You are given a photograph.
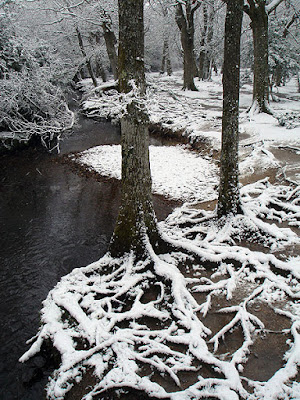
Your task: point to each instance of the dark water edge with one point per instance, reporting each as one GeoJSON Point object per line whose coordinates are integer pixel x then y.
{"type": "Point", "coordinates": [51, 220]}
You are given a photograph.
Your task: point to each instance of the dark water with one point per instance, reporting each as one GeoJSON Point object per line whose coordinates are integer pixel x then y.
{"type": "Point", "coordinates": [51, 221]}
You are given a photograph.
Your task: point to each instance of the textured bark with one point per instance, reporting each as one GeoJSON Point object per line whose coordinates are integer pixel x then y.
{"type": "Point", "coordinates": [166, 61]}
{"type": "Point", "coordinates": [202, 54]}
{"type": "Point", "coordinates": [229, 196]}
{"type": "Point", "coordinates": [88, 62]}
{"type": "Point", "coordinates": [259, 25]}
{"type": "Point", "coordinates": [136, 220]}
{"type": "Point", "coordinates": [110, 42]}
{"type": "Point", "coordinates": [185, 22]}
{"type": "Point", "coordinates": [205, 56]}
{"type": "Point", "coordinates": [131, 45]}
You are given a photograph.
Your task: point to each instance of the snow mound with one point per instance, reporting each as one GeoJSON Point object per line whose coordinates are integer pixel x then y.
{"type": "Point", "coordinates": [176, 172]}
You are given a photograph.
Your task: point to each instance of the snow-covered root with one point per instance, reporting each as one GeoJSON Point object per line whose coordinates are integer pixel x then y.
{"type": "Point", "coordinates": [139, 316]}
{"type": "Point", "coordinates": [264, 205]}
{"type": "Point", "coordinates": [137, 324]}
{"type": "Point", "coordinates": [282, 384]}
{"type": "Point", "coordinates": [264, 277]}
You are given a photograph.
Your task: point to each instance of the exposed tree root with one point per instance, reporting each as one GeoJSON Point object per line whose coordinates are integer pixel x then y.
{"type": "Point", "coordinates": [142, 325]}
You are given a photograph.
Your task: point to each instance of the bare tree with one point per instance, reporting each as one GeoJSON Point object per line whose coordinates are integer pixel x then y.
{"type": "Point", "coordinates": [229, 196]}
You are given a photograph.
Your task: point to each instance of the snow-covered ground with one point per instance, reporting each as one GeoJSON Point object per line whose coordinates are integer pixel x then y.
{"type": "Point", "coordinates": [176, 172]}
{"type": "Point", "coordinates": [173, 327]}
{"type": "Point", "coordinates": [197, 115]}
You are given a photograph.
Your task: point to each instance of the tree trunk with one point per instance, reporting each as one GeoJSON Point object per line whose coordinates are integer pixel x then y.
{"type": "Point", "coordinates": [166, 61]}
{"type": "Point", "coordinates": [136, 220]}
{"type": "Point", "coordinates": [229, 196]}
{"type": "Point", "coordinates": [259, 25]}
{"type": "Point", "coordinates": [205, 56]}
{"type": "Point", "coordinates": [185, 23]}
{"type": "Point", "coordinates": [202, 54]}
{"type": "Point", "coordinates": [88, 62]}
{"type": "Point", "coordinates": [110, 42]}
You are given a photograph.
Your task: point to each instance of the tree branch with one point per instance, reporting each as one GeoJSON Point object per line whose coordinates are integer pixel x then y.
{"type": "Point", "coordinates": [273, 5]}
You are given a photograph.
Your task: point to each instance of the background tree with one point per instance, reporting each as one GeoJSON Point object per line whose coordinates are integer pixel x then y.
{"type": "Point", "coordinates": [284, 44]}
{"type": "Point", "coordinates": [136, 218]}
{"type": "Point", "coordinates": [229, 196]}
{"type": "Point", "coordinates": [161, 36]}
{"type": "Point", "coordinates": [259, 11]}
{"type": "Point", "coordinates": [59, 22]}
{"type": "Point", "coordinates": [206, 50]}
{"type": "Point", "coordinates": [185, 11]}
{"type": "Point", "coordinates": [165, 8]}
{"type": "Point", "coordinates": [110, 41]}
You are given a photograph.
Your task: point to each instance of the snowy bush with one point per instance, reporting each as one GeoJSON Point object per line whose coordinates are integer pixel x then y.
{"type": "Point", "coordinates": [30, 104]}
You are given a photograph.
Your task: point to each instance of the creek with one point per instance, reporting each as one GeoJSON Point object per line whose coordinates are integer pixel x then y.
{"type": "Point", "coordinates": [52, 220]}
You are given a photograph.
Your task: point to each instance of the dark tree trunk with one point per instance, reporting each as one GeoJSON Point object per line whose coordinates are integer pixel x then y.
{"type": "Point", "coordinates": [202, 54]}
{"type": "Point", "coordinates": [166, 61]}
{"type": "Point", "coordinates": [229, 196]}
{"type": "Point", "coordinates": [185, 22]}
{"type": "Point", "coordinates": [205, 56]}
{"type": "Point", "coordinates": [110, 42]}
{"type": "Point", "coordinates": [136, 220]}
{"type": "Point", "coordinates": [88, 62]}
{"type": "Point", "coordinates": [259, 25]}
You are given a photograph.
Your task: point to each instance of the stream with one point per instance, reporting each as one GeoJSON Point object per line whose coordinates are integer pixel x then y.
{"type": "Point", "coordinates": [52, 220]}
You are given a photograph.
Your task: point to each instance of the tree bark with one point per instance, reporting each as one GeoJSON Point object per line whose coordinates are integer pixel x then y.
{"type": "Point", "coordinates": [229, 195]}
{"type": "Point", "coordinates": [258, 14]}
{"type": "Point", "coordinates": [166, 61]}
{"type": "Point", "coordinates": [205, 56]}
{"type": "Point", "coordinates": [110, 42]}
{"type": "Point", "coordinates": [185, 22]}
{"type": "Point", "coordinates": [136, 220]}
{"type": "Point", "coordinates": [202, 54]}
{"type": "Point", "coordinates": [259, 25]}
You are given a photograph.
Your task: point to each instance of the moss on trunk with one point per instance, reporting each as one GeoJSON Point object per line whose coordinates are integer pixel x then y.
{"type": "Point", "coordinates": [136, 221]}
{"type": "Point", "coordinates": [229, 196]}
